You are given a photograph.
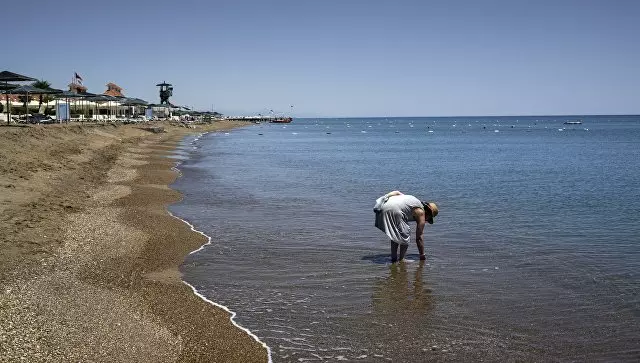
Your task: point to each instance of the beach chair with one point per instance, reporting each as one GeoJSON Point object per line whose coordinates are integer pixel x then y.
{"type": "Point", "coordinates": [39, 119]}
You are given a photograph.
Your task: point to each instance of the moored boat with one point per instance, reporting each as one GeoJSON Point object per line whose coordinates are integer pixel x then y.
{"type": "Point", "coordinates": [576, 122]}
{"type": "Point", "coordinates": [282, 120]}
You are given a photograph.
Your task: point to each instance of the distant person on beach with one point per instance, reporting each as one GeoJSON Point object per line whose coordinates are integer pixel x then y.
{"type": "Point", "coordinates": [394, 211]}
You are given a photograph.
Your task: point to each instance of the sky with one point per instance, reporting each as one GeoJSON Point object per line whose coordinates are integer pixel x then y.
{"type": "Point", "coordinates": [340, 58]}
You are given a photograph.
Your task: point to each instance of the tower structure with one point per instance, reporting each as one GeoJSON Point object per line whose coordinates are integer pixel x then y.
{"type": "Point", "coordinates": [166, 91]}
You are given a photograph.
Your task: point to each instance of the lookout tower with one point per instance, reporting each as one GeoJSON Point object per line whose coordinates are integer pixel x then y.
{"type": "Point", "coordinates": [166, 91]}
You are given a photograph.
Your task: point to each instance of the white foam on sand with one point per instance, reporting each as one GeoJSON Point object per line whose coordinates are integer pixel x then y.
{"type": "Point", "coordinates": [197, 293]}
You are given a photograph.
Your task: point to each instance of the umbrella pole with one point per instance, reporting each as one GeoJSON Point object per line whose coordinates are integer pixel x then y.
{"type": "Point", "coordinates": [8, 106]}
{"type": "Point", "coordinates": [26, 108]}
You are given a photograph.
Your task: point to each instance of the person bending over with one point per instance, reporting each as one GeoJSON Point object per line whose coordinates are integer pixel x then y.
{"type": "Point", "coordinates": [394, 211]}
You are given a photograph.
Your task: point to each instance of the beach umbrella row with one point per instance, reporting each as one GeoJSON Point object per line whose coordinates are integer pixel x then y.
{"type": "Point", "coordinates": [27, 90]}
{"type": "Point", "coordinates": [110, 100]}
{"type": "Point", "coordinates": [12, 89]}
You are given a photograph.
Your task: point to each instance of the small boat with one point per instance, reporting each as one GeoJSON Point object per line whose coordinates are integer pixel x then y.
{"type": "Point", "coordinates": [282, 120]}
{"type": "Point", "coordinates": [576, 122]}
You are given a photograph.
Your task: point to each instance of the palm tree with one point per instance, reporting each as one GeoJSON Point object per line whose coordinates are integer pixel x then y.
{"type": "Point", "coordinates": [42, 84]}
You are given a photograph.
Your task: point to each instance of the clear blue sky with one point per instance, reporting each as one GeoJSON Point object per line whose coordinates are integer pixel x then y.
{"type": "Point", "coordinates": [340, 57]}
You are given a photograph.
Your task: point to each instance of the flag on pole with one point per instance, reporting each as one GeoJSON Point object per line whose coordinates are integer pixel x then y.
{"type": "Point", "coordinates": [78, 78]}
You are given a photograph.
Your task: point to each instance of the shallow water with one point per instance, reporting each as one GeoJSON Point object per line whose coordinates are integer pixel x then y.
{"type": "Point", "coordinates": [534, 255]}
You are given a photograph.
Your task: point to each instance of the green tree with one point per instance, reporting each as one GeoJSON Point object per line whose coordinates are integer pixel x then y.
{"type": "Point", "coordinates": [42, 84]}
{"type": "Point", "coordinates": [24, 99]}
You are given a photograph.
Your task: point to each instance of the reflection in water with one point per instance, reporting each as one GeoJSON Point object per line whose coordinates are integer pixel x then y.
{"type": "Point", "coordinates": [398, 295]}
{"type": "Point", "coordinates": [402, 317]}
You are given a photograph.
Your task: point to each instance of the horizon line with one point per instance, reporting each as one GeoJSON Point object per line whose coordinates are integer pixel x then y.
{"type": "Point", "coordinates": [540, 115]}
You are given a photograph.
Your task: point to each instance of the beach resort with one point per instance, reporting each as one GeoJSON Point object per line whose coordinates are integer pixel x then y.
{"type": "Point", "coordinates": [160, 203]}
{"type": "Point", "coordinates": [89, 254]}
{"type": "Point", "coordinates": [29, 100]}
{"type": "Point", "coordinates": [172, 240]}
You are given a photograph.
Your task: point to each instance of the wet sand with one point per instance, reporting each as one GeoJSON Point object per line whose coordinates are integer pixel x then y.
{"type": "Point", "coordinates": [89, 255]}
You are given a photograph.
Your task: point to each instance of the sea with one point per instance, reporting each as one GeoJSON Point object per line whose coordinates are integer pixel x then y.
{"type": "Point", "coordinates": [534, 256]}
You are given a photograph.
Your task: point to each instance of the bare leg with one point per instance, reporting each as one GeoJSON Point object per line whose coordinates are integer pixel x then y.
{"type": "Point", "coordinates": [403, 251]}
{"type": "Point", "coordinates": [394, 252]}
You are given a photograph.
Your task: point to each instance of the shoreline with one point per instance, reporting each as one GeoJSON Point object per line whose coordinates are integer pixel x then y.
{"type": "Point", "coordinates": [213, 303]}
{"type": "Point", "coordinates": [90, 253]}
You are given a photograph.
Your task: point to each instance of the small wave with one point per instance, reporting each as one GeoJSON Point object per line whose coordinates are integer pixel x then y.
{"type": "Point", "coordinates": [197, 293]}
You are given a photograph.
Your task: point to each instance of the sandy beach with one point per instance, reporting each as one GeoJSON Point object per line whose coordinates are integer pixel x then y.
{"type": "Point", "coordinates": [89, 255]}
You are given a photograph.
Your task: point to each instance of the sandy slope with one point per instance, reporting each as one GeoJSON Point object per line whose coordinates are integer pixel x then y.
{"type": "Point", "coordinates": [89, 255]}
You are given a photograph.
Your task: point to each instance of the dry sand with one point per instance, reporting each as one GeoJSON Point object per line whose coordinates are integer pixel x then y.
{"type": "Point", "coordinates": [89, 255]}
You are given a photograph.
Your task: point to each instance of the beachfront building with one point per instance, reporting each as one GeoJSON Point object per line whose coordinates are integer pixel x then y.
{"type": "Point", "coordinates": [17, 102]}
{"type": "Point", "coordinates": [113, 90]}
{"type": "Point", "coordinates": [77, 88]}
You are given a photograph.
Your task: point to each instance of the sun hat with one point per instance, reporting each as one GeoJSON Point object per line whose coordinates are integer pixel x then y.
{"type": "Point", "coordinates": [433, 208]}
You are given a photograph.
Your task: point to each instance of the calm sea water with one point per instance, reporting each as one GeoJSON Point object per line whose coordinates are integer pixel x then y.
{"type": "Point", "coordinates": [535, 255]}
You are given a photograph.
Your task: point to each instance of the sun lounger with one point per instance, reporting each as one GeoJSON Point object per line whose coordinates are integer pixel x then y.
{"type": "Point", "coordinates": [40, 119]}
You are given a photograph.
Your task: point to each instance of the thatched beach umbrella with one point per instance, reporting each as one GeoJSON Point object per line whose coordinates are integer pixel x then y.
{"type": "Point", "coordinates": [69, 94]}
{"type": "Point", "coordinates": [105, 98]}
{"type": "Point", "coordinates": [6, 76]}
{"type": "Point", "coordinates": [86, 98]}
{"type": "Point", "coordinates": [135, 102]}
{"type": "Point", "coordinates": [7, 86]}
